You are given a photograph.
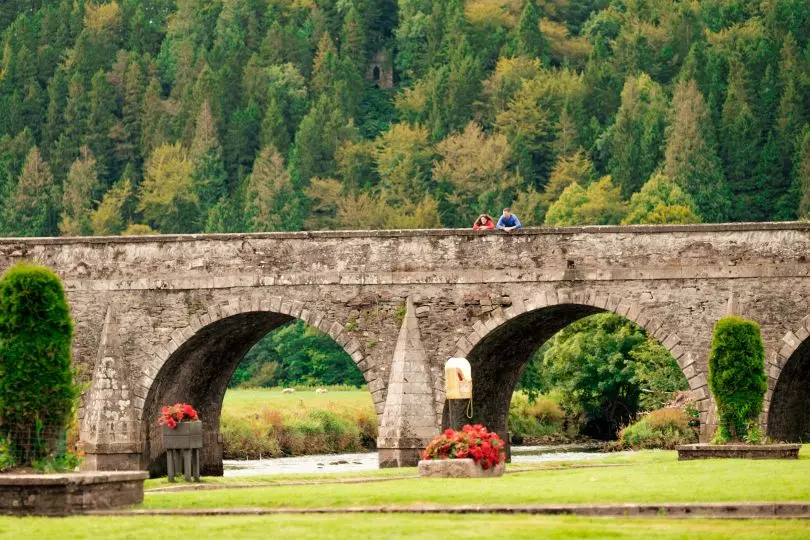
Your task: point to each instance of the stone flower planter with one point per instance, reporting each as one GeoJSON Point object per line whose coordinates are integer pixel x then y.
{"type": "Point", "coordinates": [185, 436]}
{"type": "Point", "coordinates": [457, 468]}
{"type": "Point", "coordinates": [182, 446]}
{"type": "Point", "coordinates": [738, 451]}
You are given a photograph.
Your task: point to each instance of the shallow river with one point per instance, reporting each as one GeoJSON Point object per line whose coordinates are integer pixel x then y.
{"type": "Point", "coordinates": [368, 461]}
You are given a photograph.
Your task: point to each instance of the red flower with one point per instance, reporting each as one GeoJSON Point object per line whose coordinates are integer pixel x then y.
{"type": "Point", "coordinates": [179, 412]}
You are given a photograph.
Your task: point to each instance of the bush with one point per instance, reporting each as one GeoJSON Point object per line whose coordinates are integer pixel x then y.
{"type": "Point", "coordinates": [6, 457]}
{"type": "Point", "coordinates": [664, 428]}
{"type": "Point", "coordinates": [737, 377]}
{"type": "Point", "coordinates": [541, 418]}
{"type": "Point", "coordinates": [37, 393]}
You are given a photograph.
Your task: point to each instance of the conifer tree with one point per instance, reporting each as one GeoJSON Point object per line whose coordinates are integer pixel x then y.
{"type": "Point", "coordinates": [792, 114]}
{"type": "Point", "coordinates": [637, 138]}
{"type": "Point", "coordinates": [100, 119]}
{"type": "Point", "coordinates": [77, 196]}
{"type": "Point", "coordinates": [167, 198]}
{"type": "Point", "coordinates": [208, 173]}
{"type": "Point", "coordinates": [739, 142]}
{"type": "Point", "coordinates": [529, 39]}
{"type": "Point", "coordinates": [691, 156]}
{"type": "Point", "coordinates": [271, 202]}
{"type": "Point", "coordinates": [801, 175]}
{"type": "Point", "coordinates": [55, 115]}
{"type": "Point", "coordinates": [30, 210]}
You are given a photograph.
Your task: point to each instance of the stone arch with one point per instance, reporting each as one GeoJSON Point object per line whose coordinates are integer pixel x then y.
{"type": "Point", "coordinates": [786, 411]}
{"type": "Point", "coordinates": [198, 361]}
{"type": "Point", "coordinates": [554, 310]}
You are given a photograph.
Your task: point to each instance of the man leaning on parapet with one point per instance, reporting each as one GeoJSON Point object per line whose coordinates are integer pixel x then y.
{"type": "Point", "coordinates": [508, 222]}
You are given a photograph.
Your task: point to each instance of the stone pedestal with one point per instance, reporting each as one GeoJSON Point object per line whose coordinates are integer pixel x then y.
{"type": "Point", "coordinates": [457, 468]}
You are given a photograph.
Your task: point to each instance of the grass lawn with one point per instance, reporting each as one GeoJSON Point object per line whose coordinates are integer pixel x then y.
{"type": "Point", "coordinates": [245, 401]}
{"type": "Point", "coordinates": [653, 477]}
{"type": "Point", "coordinates": [395, 526]}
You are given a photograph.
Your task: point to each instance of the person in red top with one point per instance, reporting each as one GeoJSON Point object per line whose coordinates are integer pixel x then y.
{"type": "Point", "coordinates": [483, 222]}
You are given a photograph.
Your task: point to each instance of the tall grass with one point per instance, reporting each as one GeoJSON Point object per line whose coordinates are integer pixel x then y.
{"type": "Point", "coordinates": [266, 423]}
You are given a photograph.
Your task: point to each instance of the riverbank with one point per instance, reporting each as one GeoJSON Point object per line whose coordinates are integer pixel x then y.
{"type": "Point", "coordinates": [267, 423]}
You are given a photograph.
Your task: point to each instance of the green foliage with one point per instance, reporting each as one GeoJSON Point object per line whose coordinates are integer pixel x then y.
{"type": "Point", "coordinates": [661, 201]}
{"type": "Point", "coordinates": [535, 419]}
{"type": "Point", "coordinates": [737, 376]}
{"type": "Point", "coordinates": [599, 204]}
{"type": "Point", "coordinates": [662, 428]}
{"type": "Point", "coordinates": [7, 460]}
{"type": "Point", "coordinates": [596, 364]}
{"type": "Point", "coordinates": [37, 393]}
{"type": "Point", "coordinates": [299, 355]}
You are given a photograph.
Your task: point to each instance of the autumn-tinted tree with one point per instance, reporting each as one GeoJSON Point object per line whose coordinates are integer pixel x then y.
{"type": "Point", "coordinates": [691, 155]}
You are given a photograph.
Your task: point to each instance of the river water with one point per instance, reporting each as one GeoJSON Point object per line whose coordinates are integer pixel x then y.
{"type": "Point", "coordinates": [368, 461]}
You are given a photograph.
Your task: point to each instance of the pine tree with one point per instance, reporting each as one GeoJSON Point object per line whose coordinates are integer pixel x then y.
{"type": "Point", "coordinates": [153, 119]}
{"type": "Point", "coordinates": [801, 175]}
{"type": "Point", "coordinates": [529, 39]}
{"type": "Point", "coordinates": [637, 138]}
{"type": "Point", "coordinates": [792, 115]}
{"type": "Point", "coordinates": [55, 116]}
{"type": "Point", "coordinates": [110, 218]}
{"type": "Point", "coordinates": [100, 120]}
{"type": "Point", "coordinates": [242, 140]}
{"type": "Point", "coordinates": [353, 39]}
{"type": "Point", "coordinates": [133, 106]}
{"type": "Point", "coordinates": [691, 156]}
{"type": "Point", "coordinates": [739, 141]}
{"type": "Point", "coordinates": [208, 175]}
{"type": "Point", "coordinates": [30, 210]}
{"type": "Point", "coordinates": [274, 131]}
{"type": "Point", "coordinates": [271, 202]}
{"type": "Point", "coordinates": [81, 183]}
{"type": "Point", "coordinates": [167, 197]}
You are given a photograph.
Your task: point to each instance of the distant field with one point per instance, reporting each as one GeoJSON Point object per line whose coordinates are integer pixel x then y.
{"type": "Point", "coordinates": [263, 423]}
{"type": "Point", "coordinates": [241, 401]}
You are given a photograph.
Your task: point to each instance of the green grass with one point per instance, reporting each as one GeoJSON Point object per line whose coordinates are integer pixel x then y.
{"type": "Point", "coordinates": [395, 526]}
{"type": "Point", "coordinates": [654, 477]}
{"type": "Point", "coordinates": [246, 401]}
{"type": "Point", "coordinates": [262, 423]}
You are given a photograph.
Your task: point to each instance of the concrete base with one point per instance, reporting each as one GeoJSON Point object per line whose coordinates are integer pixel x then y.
{"type": "Point", "coordinates": [457, 468]}
{"type": "Point", "coordinates": [391, 458]}
{"type": "Point", "coordinates": [738, 451]}
{"type": "Point", "coordinates": [66, 494]}
{"type": "Point", "coordinates": [112, 462]}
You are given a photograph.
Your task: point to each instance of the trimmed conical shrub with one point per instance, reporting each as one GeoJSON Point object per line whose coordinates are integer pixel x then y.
{"type": "Point", "coordinates": [737, 377]}
{"type": "Point", "coordinates": [37, 392]}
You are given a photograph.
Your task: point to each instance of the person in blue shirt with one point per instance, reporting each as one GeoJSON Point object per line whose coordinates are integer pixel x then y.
{"type": "Point", "coordinates": [508, 222]}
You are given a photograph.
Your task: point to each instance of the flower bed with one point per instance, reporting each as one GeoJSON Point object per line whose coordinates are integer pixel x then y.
{"type": "Point", "coordinates": [473, 451]}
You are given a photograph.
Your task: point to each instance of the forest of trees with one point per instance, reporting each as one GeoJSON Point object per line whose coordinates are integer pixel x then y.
{"type": "Point", "coordinates": [181, 116]}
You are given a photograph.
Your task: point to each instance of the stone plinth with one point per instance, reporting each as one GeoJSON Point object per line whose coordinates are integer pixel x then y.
{"type": "Point", "coordinates": [738, 451]}
{"type": "Point", "coordinates": [457, 468]}
{"type": "Point", "coordinates": [66, 494]}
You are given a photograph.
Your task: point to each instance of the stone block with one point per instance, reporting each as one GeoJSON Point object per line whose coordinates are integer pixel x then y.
{"type": "Point", "coordinates": [457, 468]}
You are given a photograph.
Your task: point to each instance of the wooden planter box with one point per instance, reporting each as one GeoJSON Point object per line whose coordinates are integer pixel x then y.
{"type": "Point", "coordinates": [186, 435]}
{"type": "Point", "coordinates": [457, 468]}
{"type": "Point", "coordinates": [738, 451]}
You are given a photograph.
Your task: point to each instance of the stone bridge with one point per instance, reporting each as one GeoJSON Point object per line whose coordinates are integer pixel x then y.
{"type": "Point", "coordinates": [166, 319]}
